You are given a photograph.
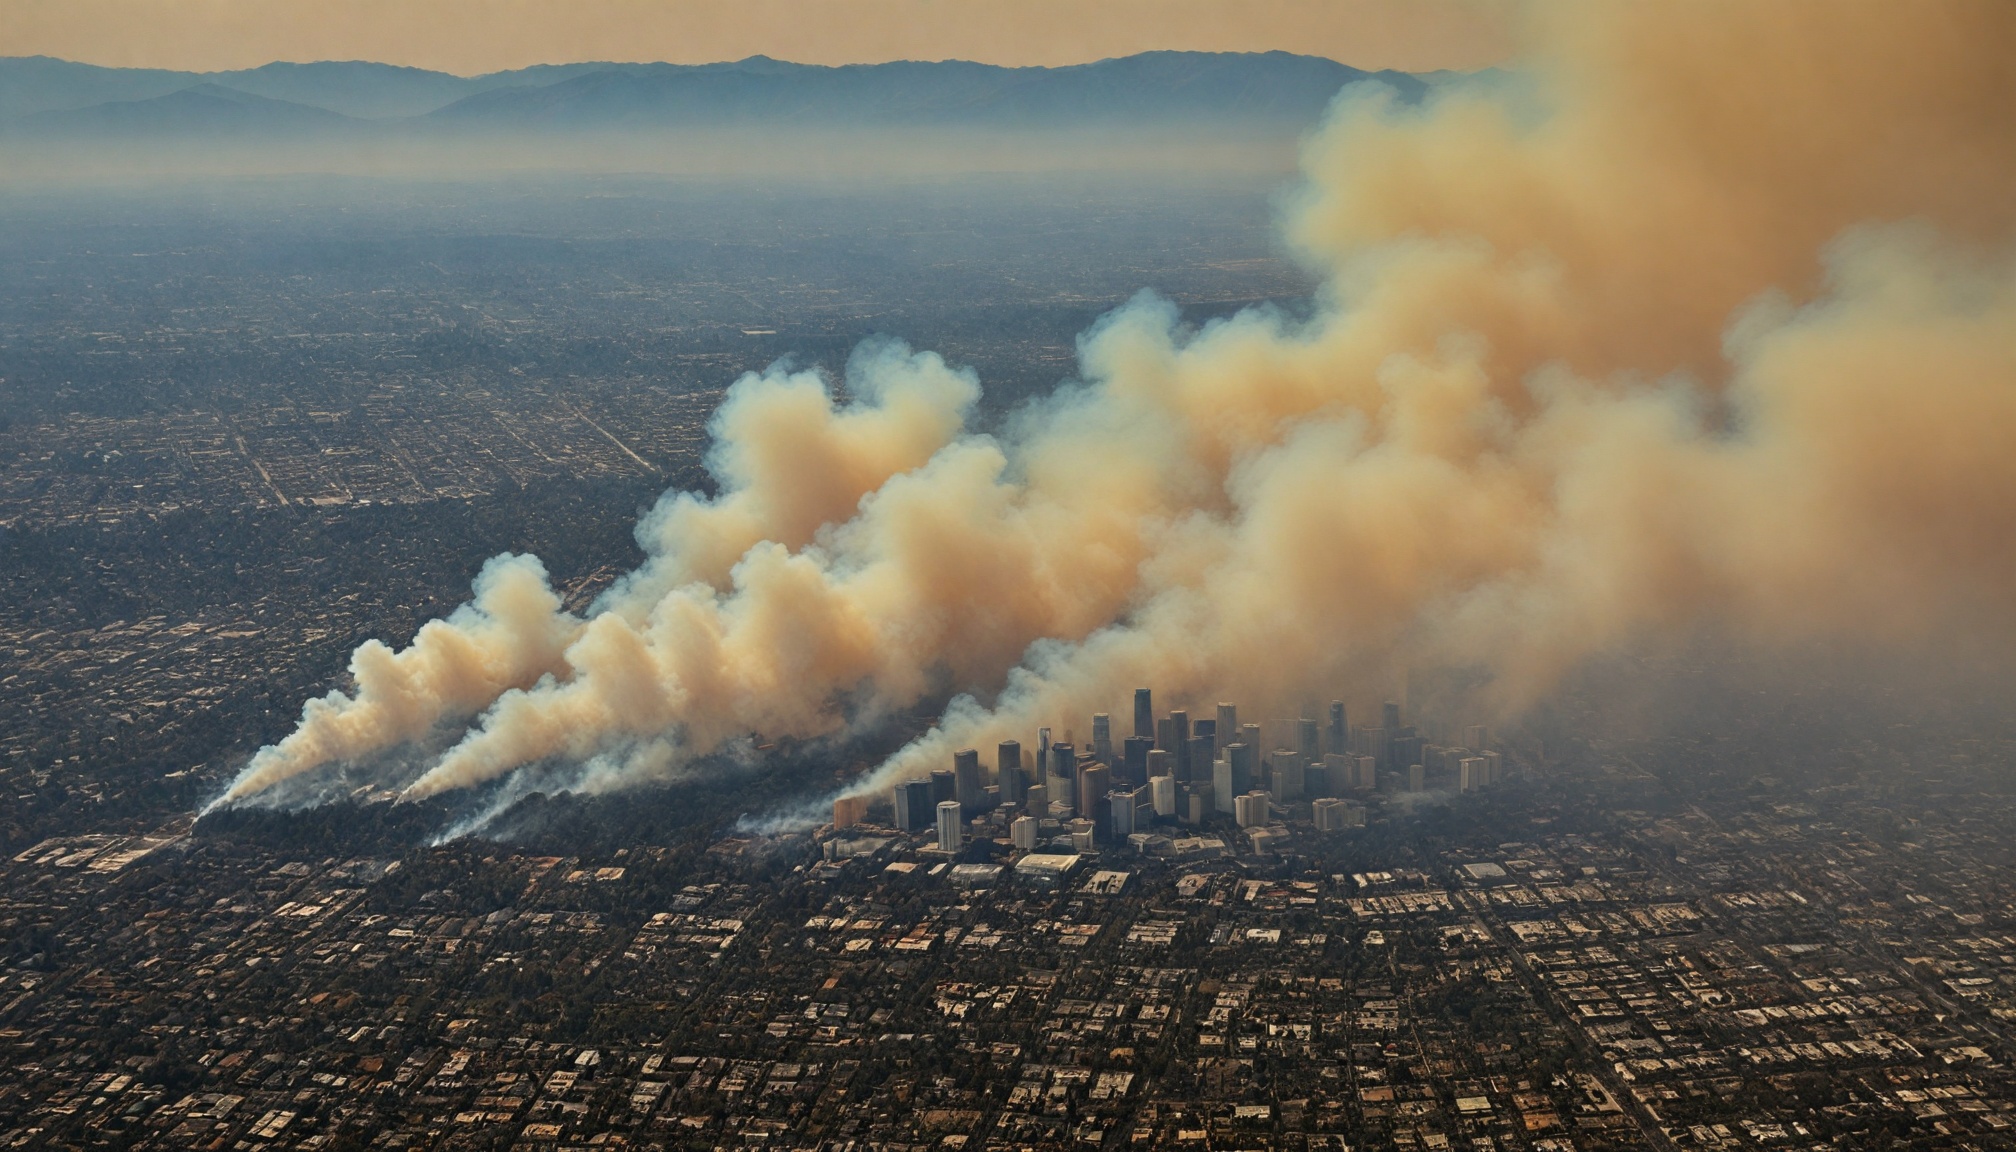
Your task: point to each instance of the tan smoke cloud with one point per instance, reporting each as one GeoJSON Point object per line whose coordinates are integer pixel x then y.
{"type": "Point", "coordinates": [1708, 316]}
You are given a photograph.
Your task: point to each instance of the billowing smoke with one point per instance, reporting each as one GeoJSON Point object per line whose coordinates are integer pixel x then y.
{"type": "Point", "coordinates": [1707, 316]}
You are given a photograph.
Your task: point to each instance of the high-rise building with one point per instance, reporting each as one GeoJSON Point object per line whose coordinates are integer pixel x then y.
{"type": "Point", "coordinates": [1008, 771]}
{"type": "Point", "coordinates": [967, 786]}
{"type": "Point", "coordinates": [1494, 767]}
{"type": "Point", "coordinates": [1233, 775]}
{"type": "Point", "coordinates": [1316, 779]}
{"type": "Point", "coordinates": [1197, 765]}
{"type": "Point", "coordinates": [1334, 815]}
{"type": "Point", "coordinates": [1144, 713]}
{"type": "Point", "coordinates": [1161, 763]}
{"type": "Point", "coordinates": [1102, 737]}
{"type": "Point", "coordinates": [1180, 721]}
{"type": "Point", "coordinates": [914, 805]}
{"type": "Point", "coordinates": [1036, 800]}
{"type": "Point", "coordinates": [1120, 812]}
{"type": "Point", "coordinates": [1389, 715]}
{"type": "Point", "coordinates": [1370, 742]}
{"type": "Point", "coordinates": [1162, 791]}
{"type": "Point", "coordinates": [1023, 832]}
{"type": "Point", "coordinates": [1134, 758]}
{"type": "Point", "coordinates": [849, 811]}
{"type": "Point", "coordinates": [1064, 775]}
{"type": "Point", "coordinates": [1310, 742]}
{"type": "Point", "coordinates": [1339, 736]}
{"type": "Point", "coordinates": [1249, 810]}
{"type": "Point", "coordinates": [951, 827]}
{"type": "Point", "coordinates": [1473, 737]}
{"type": "Point", "coordinates": [1284, 769]}
{"type": "Point", "coordinates": [1417, 778]}
{"type": "Point", "coordinates": [1094, 782]}
{"type": "Point", "coordinates": [1470, 774]}
{"type": "Point", "coordinates": [1228, 725]}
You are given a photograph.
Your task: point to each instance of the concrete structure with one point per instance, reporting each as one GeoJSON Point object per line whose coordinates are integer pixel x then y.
{"type": "Point", "coordinates": [849, 811]}
{"type": "Point", "coordinates": [1162, 792]}
{"type": "Point", "coordinates": [913, 804]}
{"type": "Point", "coordinates": [1228, 725]}
{"type": "Point", "coordinates": [1102, 737]}
{"type": "Point", "coordinates": [1233, 774]}
{"type": "Point", "coordinates": [968, 788]}
{"type": "Point", "coordinates": [1470, 774]}
{"type": "Point", "coordinates": [1023, 832]}
{"type": "Point", "coordinates": [1008, 771]}
{"type": "Point", "coordinates": [1337, 738]}
{"type": "Point", "coordinates": [1250, 810]}
{"type": "Point", "coordinates": [951, 827]}
{"type": "Point", "coordinates": [1049, 868]}
{"type": "Point", "coordinates": [1144, 714]}
{"type": "Point", "coordinates": [1417, 778]}
{"type": "Point", "coordinates": [1284, 774]}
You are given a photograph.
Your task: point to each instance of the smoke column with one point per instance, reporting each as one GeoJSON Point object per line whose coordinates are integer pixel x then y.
{"type": "Point", "coordinates": [1707, 316]}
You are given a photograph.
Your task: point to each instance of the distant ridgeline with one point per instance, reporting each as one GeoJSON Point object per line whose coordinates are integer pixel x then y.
{"type": "Point", "coordinates": [1281, 91]}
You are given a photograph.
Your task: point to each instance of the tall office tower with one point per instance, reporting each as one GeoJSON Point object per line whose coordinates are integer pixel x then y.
{"type": "Point", "coordinates": [1198, 766]}
{"type": "Point", "coordinates": [1235, 777]}
{"type": "Point", "coordinates": [1341, 770]}
{"type": "Point", "coordinates": [1134, 758]}
{"type": "Point", "coordinates": [1404, 749]}
{"type": "Point", "coordinates": [1285, 772]}
{"type": "Point", "coordinates": [1250, 735]}
{"type": "Point", "coordinates": [1036, 800]}
{"type": "Point", "coordinates": [1470, 774]}
{"type": "Point", "coordinates": [1161, 762]}
{"type": "Point", "coordinates": [1250, 809]}
{"type": "Point", "coordinates": [1473, 737]}
{"type": "Point", "coordinates": [1310, 743]}
{"type": "Point", "coordinates": [1093, 785]}
{"type": "Point", "coordinates": [967, 786]}
{"type": "Point", "coordinates": [944, 786]}
{"type": "Point", "coordinates": [1180, 720]}
{"type": "Point", "coordinates": [1144, 714]}
{"type": "Point", "coordinates": [1228, 725]}
{"type": "Point", "coordinates": [1120, 808]}
{"type": "Point", "coordinates": [913, 803]}
{"type": "Point", "coordinates": [1316, 778]}
{"type": "Point", "coordinates": [1339, 734]}
{"type": "Point", "coordinates": [1162, 791]}
{"type": "Point", "coordinates": [1206, 727]}
{"type": "Point", "coordinates": [1494, 767]}
{"type": "Point", "coordinates": [1008, 771]}
{"type": "Point", "coordinates": [1024, 831]}
{"type": "Point", "coordinates": [950, 827]}
{"type": "Point", "coordinates": [1389, 715]}
{"type": "Point", "coordinates": [1063, 763]}
{"type": "Point", "coordinates": [849, 811]}
{"type": "Point", "coordinates": [1042, 744]}
{"type": "Point", "coordinates": [1102, 737]}
{"type": "Point", "coordinates": [1198, 805]}
{"type": "Point", "coordinates": [1370, 742]}
{"type": "Point", "coordinates": [1417, 778]}
{"type": "Point", "coordinates": [1365, 773]}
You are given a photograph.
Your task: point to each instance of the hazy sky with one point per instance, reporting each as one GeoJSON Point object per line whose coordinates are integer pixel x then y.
{"type": "Point", "coordinates": [471, 36]}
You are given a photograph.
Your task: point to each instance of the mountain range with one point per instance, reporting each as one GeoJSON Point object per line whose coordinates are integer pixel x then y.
{"type": "Point", "coordinates": [45, 97]}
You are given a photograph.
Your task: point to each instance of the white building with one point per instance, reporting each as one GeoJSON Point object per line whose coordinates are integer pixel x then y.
{"type": "Point", "coordinates": [951, 827]}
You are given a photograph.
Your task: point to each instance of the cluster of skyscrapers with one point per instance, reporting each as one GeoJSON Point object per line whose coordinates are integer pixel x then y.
{"type": "Point", "coordinates": [1178, 769]}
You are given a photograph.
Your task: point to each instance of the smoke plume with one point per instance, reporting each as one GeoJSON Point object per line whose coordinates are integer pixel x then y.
{"type": "Point", "coordinates": [1707, 315]}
